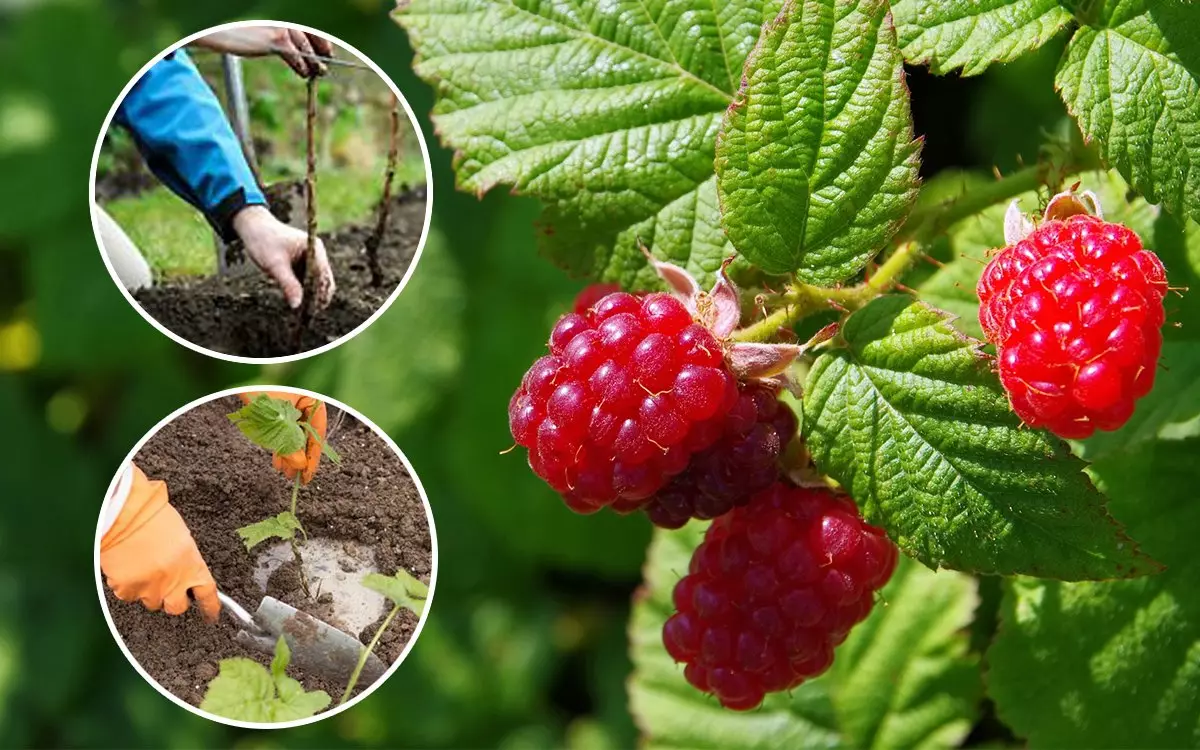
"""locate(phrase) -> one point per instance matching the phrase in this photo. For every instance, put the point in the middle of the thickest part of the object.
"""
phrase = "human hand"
(314, 412)
(275, 246)
(148, 554)
(294, 47)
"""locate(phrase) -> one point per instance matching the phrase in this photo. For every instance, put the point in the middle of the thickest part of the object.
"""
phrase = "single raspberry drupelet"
(1074, 310)
(744, 461)
(591, 294)
(772, 589)
(629, 391)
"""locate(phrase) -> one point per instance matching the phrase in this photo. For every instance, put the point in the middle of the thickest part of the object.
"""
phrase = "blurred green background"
(526, 643)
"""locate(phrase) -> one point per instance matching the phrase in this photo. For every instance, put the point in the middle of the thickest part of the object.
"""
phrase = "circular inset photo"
(265, 557)
(260, 191)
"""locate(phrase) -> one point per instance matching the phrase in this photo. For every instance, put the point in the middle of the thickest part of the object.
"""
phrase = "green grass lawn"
(177, 241)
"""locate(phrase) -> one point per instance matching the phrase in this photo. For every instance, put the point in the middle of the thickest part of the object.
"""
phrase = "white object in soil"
(332, 567)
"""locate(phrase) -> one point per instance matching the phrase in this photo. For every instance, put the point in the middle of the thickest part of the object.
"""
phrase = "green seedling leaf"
(1117, 663)
(816, 163)
(607, 112)
(1131, 78)
(403, 589)
(902, 679)
(271, 423)
(970, 35)
(911, 419)
(282, 526)
(326, 449)
(244, 690)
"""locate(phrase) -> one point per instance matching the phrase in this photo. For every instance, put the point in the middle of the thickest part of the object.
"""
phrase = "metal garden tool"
(317, 647)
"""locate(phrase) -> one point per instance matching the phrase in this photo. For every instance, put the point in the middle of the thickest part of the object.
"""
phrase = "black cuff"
(221, 215)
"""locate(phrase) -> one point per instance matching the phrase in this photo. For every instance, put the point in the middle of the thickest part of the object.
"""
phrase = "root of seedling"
(309, 271)
(390, 175)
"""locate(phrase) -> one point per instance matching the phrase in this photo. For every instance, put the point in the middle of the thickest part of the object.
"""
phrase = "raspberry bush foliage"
(784, 338)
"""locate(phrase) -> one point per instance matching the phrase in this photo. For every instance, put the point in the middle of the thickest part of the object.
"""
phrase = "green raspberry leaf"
(271, 423)
(904, 676)
(1132, 81)
(902, 679)
(816, 162)
(607, 112)
(403, 589)
(912, 421)
(282, 526)
(243, 689)
(970, 35)
(1117, 663)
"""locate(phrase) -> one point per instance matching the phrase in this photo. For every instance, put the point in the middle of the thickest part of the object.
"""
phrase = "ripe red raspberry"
(629, 391)
(772, 589)
(1074, 310)
(744, 461)
(591, 294)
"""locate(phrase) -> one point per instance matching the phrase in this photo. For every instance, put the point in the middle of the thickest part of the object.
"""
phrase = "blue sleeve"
(187, 142)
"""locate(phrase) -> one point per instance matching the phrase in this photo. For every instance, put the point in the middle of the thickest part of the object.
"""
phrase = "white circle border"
(100, 587)
(412, 266)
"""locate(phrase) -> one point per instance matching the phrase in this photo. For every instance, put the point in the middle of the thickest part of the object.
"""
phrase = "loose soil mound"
(243, 312)
(218, 480)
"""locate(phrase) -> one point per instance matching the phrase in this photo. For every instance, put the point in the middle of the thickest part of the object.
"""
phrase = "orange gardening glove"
(149, 555)
(308, 459)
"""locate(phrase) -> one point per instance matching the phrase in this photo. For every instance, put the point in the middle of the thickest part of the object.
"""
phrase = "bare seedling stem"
(310, 200)
(362, 658)
(376, 237)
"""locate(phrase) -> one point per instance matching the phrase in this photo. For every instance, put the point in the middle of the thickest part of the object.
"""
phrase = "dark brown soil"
(218, 480)
(243, 313)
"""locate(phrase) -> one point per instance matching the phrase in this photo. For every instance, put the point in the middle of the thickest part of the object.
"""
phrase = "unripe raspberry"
(744, 461)
(629, 391)
(770, 592)
(1075, 311)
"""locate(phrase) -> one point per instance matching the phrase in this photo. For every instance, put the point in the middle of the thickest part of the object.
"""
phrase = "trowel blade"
(317, 647)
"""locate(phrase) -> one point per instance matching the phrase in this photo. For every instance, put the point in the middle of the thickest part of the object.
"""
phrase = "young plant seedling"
(385, 199)
(278, 426)
(245, 690)
(406, 592)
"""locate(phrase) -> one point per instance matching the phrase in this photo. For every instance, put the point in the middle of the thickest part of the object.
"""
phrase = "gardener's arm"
(147, 553)
(183, 135)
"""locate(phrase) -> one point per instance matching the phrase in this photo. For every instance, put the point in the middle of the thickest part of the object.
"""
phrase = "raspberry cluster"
(774, 587)
(743, 461)
(630, 390)
(1075, 311)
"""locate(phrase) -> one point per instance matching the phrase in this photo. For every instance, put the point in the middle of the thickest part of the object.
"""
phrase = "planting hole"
(334, 568)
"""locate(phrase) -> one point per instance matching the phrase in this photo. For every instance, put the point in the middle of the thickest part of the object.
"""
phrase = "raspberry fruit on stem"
(1075, 309)
(621, 401)
(772, 589)
(634, 386)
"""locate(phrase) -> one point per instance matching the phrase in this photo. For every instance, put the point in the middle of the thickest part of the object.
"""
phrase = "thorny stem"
(310, 198)
(381, 225)
(362, 658)
(923, 226)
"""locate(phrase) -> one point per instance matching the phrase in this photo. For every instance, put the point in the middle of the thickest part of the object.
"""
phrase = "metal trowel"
(317, 647)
